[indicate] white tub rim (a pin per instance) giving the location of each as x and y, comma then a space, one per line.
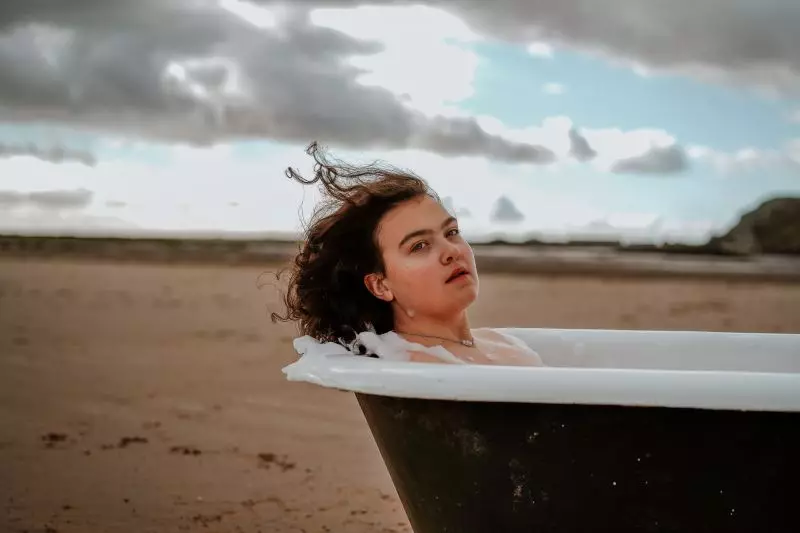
639, 387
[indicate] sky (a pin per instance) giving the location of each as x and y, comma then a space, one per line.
637, 120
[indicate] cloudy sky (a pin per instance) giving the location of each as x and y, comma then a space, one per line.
639, 119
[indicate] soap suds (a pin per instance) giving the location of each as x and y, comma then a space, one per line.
388, 346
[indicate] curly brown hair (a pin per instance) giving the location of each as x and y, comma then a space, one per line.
326, 294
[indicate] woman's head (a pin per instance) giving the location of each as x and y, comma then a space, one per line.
379, 244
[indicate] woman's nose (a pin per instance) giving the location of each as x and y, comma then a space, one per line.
450, 252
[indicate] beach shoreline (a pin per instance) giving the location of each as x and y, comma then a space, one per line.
597, 259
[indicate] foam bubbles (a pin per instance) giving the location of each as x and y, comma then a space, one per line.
388, 346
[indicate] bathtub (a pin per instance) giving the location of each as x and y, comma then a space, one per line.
623, 431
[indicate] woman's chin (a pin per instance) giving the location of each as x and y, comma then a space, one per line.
468, 297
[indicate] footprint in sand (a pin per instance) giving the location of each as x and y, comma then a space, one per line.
124, 442
21, 341
185, 450
54, 440
266, 460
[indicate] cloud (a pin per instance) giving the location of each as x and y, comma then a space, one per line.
252, 13
52, 154
794, 116
640, 151
9, 199
657, 160
463, 136
449, 206
644, 227
792, 150
553, 88
188, 190
70, 223
504, 210
750, 159
721, 40
540, 49
411, 68
51, 200
195, 72
458, 212
579, 146
712, 39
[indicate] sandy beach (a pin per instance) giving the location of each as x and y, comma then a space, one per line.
149, 397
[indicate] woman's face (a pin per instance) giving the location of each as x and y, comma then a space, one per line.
429, 267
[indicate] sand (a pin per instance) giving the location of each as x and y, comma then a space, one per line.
146, 397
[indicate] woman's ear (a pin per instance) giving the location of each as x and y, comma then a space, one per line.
376, 284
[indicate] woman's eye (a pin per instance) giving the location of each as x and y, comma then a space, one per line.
452, 232
419, 246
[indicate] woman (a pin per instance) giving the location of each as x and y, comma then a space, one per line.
383, 255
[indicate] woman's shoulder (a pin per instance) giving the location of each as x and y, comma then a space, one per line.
498, 336
509, 344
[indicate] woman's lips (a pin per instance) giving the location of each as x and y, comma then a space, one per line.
461, 275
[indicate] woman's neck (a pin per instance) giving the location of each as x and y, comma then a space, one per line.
457, 328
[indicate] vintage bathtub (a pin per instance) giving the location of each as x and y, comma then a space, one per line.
646, 431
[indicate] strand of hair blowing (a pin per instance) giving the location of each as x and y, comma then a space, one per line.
326, 294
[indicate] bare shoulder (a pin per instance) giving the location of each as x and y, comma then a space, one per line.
516, 351
497, 336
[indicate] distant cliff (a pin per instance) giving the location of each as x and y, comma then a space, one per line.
771, 228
